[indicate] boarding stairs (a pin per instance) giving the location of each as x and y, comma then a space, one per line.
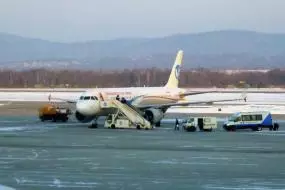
134, 116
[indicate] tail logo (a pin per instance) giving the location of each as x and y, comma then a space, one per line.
177, 71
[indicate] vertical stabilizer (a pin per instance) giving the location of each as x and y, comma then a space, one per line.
173, 80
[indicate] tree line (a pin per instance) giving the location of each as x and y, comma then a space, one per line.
43, 78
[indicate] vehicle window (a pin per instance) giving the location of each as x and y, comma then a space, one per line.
87, 98
258, 117
233, 118
246, 118
252, 118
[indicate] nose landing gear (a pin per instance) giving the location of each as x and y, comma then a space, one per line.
94, 124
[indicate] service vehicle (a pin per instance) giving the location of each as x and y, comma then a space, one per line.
120, 121
200, 123
255, 121
54, 113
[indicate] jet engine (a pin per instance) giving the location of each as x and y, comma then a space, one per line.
153, 115
82, 118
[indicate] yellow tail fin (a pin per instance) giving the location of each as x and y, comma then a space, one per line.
173, 80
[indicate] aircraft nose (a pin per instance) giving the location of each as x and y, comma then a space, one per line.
87, 108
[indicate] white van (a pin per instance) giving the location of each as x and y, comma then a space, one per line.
202, 123
251, 120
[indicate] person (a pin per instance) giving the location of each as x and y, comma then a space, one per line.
118, 97
123, 100
176, 124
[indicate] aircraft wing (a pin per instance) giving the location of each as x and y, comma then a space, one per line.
190, 93
61, 99
165, 106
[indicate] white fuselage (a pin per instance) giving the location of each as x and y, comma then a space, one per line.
89, 103
132, 92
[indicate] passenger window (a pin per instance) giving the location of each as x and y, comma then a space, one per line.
259, 117
246, 118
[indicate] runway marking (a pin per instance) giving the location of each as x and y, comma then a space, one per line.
177, 162
268, 133
241, 188
214, 158
13, 128
55, 183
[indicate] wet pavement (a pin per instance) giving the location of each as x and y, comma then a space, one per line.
35, 155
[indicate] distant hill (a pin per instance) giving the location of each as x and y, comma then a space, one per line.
218, 49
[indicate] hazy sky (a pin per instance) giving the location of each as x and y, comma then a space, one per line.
79, 20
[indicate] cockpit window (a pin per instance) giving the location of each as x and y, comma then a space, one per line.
87, 98
94, 98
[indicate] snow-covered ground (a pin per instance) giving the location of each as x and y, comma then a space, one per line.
37, 96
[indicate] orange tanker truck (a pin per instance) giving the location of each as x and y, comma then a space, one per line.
53, 113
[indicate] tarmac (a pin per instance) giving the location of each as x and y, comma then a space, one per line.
36, 155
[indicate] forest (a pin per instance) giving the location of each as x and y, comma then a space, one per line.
45, 78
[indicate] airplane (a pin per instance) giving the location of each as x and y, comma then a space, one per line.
151, 102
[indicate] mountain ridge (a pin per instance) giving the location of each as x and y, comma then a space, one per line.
207, 49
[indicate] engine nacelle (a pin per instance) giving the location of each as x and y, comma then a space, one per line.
154, 115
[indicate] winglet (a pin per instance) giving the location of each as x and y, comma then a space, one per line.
173, 80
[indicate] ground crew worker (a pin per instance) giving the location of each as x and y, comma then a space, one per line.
176, 125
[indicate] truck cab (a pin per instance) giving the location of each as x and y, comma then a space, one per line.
199, 123
255, 121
